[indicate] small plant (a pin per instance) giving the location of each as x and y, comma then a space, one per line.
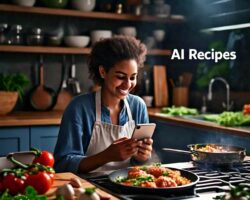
14, 83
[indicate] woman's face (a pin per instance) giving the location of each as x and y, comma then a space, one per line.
121, 78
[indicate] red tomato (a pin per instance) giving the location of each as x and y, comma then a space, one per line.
45, 158
40, 181
14, 184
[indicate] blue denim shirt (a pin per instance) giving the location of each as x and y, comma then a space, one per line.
77, 124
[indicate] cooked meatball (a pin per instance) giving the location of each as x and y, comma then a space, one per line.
164, 181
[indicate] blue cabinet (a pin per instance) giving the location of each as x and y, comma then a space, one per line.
44, 137
13, 139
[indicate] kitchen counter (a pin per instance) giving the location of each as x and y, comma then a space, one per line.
154, 113
54, 118
62, 178
31, 118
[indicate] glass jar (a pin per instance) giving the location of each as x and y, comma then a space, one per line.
3, 29
15, 35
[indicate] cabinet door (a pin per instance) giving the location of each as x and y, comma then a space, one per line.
13, 140
44, 137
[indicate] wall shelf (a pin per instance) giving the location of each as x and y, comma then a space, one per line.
65, 50
96, 15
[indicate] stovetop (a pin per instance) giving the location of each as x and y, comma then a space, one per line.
212, 183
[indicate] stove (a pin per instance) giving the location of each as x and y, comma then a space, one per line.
213, 182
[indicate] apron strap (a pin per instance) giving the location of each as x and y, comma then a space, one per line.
98, 106
128, 110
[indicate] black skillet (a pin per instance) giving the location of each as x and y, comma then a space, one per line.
184, 189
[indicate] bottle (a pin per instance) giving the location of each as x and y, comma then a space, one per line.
204, 106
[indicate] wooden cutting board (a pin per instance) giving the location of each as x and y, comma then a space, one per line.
62, 178
160, 86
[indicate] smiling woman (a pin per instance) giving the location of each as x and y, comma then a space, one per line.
96, 128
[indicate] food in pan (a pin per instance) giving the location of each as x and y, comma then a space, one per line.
153, 176
211, 148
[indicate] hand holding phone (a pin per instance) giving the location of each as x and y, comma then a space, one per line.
142, 131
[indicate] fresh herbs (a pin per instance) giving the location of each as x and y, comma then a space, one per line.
14, 82
241, 191
30, 194
179, 111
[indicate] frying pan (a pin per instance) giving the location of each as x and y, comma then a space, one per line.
160, 191
234, 154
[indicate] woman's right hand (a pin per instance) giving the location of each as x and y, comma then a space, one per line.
122, 149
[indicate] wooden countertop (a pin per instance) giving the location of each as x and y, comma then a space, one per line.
54, 118
62, 178
31, 118
154, 113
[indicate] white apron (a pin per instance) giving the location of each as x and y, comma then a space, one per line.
104, 134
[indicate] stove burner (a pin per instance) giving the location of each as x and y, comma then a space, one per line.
213, 182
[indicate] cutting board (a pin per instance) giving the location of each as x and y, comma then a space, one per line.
62, 178
160, 86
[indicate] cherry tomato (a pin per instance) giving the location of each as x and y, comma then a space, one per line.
44, 158
14, 184
40, 181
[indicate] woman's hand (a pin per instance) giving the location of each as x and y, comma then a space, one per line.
144, 150
122, 149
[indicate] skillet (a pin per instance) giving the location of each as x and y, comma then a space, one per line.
160, 191
232, 154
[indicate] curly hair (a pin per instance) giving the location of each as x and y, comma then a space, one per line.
109, 51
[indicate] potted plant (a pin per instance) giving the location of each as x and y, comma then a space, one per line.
11, 86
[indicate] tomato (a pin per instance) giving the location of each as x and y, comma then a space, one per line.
246, 109
44, 158
41, 181
1, 185
14, 184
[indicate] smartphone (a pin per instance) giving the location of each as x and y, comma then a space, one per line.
142, 131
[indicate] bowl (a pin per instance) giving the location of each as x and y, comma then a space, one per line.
96, 35
54, 40
54, 3
83, 5
159, 35
76, 40
128, 31
28, 3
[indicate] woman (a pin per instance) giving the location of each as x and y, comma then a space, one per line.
96, 129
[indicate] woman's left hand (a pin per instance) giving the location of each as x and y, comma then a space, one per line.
144, 150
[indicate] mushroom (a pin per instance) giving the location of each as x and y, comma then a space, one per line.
89, 194
75, 182
66, 191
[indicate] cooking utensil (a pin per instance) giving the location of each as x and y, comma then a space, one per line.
73, 83
144, 190
41, 97
233, 154
64, 96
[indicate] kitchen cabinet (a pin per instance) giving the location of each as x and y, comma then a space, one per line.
13, 139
